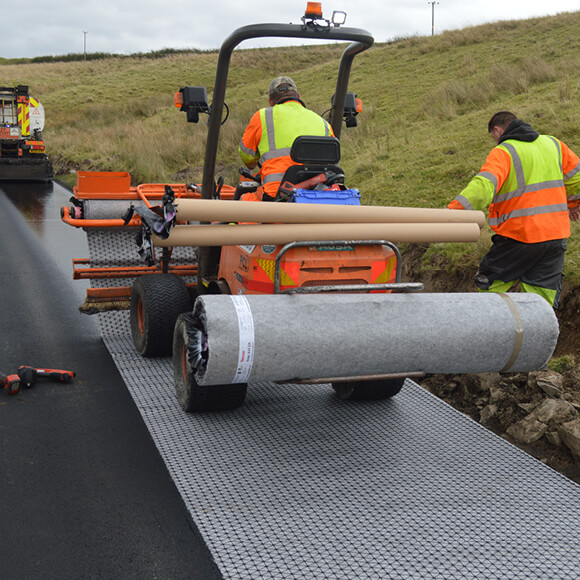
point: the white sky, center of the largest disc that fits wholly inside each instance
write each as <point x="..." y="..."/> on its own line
<point x="56" y="27"/>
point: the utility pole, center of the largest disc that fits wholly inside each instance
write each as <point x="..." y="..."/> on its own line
<point x="433" y="16"/>
<point x="85" y="32"/>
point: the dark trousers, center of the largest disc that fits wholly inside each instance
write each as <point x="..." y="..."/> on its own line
<point x="538" y="267"/>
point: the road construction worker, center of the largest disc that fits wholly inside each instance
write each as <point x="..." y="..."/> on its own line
<point x="271" y="131"/>
<point x="531" y="183"/>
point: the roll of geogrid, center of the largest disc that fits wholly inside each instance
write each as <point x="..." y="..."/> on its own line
<point x="232" y="235"/>
<point x="284" y="337"/>
<point x="108" y="209"/>
<point x="267" y="212"/>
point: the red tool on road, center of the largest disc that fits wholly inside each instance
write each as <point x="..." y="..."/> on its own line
<point x="27" y="376"/>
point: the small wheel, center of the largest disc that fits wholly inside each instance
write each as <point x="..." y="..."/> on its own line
<point x="156" y="302"/>
<point x="368" y="390"/>
<point x="190" y="350"/>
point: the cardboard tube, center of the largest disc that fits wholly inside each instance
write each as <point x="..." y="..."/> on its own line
<point x="268" y="212"/>
<point x="234" y="235"/>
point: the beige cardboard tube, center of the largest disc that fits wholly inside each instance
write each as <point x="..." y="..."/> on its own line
<point x="208" y="210"/>
<point x="256" y="234"/>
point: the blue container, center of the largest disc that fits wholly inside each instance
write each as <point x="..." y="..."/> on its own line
<point x="327" y="196"/>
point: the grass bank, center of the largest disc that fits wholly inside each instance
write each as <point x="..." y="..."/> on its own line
<point x="421" y="136"/>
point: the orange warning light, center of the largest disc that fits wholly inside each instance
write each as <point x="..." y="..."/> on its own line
<point x="359" y="105"/>
<point x="313" y="10"/>
<point x="178" y="99"/>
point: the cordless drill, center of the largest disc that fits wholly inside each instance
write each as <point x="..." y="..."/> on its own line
<point x="29" y="375"/>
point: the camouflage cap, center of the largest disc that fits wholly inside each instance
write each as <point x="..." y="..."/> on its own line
<point x="282" y="85"/>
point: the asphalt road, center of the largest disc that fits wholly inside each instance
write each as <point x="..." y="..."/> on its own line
<point x="85" y="492"/>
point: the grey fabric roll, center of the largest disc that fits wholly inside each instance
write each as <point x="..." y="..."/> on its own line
<point x="101" y="209"/>
<point x="285" y="337"/>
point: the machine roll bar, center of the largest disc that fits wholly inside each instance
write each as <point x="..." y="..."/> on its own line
<point x="360" y="41"/>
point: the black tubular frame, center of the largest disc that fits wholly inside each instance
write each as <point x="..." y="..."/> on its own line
<point x="360" y="40"/>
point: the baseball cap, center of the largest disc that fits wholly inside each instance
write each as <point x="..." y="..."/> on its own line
<point x="281" y="85"/>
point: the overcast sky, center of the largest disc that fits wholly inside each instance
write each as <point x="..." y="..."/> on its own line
<point x="57" y="27"/>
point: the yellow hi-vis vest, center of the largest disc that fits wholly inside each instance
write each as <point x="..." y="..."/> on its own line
<point x="269" y="136"/>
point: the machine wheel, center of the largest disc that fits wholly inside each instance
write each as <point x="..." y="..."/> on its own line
<point x="368" y="390"/>
<point x="188" y="352"/>
<point x="156" y="302"/>
<point x="219" y="287"/>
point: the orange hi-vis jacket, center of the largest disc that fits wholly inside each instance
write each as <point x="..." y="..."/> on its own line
<point x="269" y="136"/>
<point x="528" y="186"/>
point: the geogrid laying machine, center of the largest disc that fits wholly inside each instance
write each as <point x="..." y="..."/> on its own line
<point x="304" y="290"/>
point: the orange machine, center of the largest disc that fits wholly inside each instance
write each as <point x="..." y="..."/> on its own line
<point x="165" y="288"/>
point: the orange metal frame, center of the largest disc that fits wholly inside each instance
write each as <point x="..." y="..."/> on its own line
<point x="246" y="272"/>
<point x="117" y="186"/>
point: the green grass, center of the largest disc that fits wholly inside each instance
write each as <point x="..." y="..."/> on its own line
<point x="562" y="364"/>
<point x="421" y="136"/>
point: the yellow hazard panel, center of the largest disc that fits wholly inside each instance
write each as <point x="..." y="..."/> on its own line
<point x="269" y="267"/>
<point x="385" y="276"/>
<point x="24" y="118"/>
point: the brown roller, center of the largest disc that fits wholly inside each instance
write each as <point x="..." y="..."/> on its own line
<point x="256" y="234"/>
<point x="207" y="210"/>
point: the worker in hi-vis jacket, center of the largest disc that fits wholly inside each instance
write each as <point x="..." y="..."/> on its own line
<point x="271" y="131"/>
<point x="531" y="183"/>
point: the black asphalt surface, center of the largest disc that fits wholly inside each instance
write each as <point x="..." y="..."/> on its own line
<point x="85" y="493"/>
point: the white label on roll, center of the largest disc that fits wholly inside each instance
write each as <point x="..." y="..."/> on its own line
<point x="246" y="345"/>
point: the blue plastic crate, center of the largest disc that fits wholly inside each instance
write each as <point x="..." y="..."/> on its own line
<point x="327" y="196"/>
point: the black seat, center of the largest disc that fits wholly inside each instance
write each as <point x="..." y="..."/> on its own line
<point x="313" y="155"/>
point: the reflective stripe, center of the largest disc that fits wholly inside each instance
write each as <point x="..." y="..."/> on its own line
<point x="269" y="117"/>
<point x="528" y="189"/>
<point x="464" y="202"/>
<point x="528" y="212"/>
<point x="555" y="141"/>
<point x="247" y="150"/>
<point x="574" y="197"/>
<point x="490" y="177"/>
<point x="275" y="153"/>
<point x="521" y="180"/>
<point x="272" y="177"/>
<point x="572" y="173"/>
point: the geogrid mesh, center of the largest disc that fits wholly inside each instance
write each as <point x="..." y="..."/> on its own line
<point x="117" y="248"/>
<point x="298" y="484"/>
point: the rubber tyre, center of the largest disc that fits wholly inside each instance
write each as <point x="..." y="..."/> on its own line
<point x="156" y="302"/>
<point x="192" y="397"/>
<point x="368" y="390"/>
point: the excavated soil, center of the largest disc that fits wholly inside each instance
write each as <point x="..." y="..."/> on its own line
<point x="504" y="402"/>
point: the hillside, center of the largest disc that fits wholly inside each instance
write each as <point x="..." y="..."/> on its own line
<point x="421" y="136"/>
